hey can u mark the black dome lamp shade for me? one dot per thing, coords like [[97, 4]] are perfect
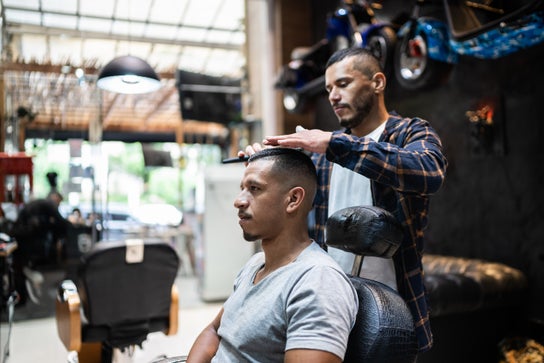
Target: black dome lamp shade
[[128, 74]]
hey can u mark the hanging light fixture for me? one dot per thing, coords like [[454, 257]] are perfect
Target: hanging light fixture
[[128, 74]]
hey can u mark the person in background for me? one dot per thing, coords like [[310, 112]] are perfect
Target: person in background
[[38, 230], [75, 217], [55, 197], [291, 302], [376, 158]]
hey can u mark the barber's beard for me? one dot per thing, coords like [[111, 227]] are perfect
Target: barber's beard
[[362, 110]]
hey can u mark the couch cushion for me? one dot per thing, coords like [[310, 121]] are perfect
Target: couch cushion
[[457, 284]]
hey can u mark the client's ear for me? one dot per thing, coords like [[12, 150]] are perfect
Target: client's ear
[[295, 198]]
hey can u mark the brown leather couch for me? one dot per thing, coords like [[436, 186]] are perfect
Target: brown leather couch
[[475, 304]]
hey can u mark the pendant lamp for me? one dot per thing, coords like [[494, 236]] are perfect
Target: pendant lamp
[[128, 74]]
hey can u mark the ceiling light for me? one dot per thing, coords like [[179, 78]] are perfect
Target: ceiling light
[[128, 74]]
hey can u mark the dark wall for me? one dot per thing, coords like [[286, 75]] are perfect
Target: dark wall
[[491, 204], [320, 11]]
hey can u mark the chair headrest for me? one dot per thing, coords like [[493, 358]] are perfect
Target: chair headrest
[[364, 230], [107, 246]]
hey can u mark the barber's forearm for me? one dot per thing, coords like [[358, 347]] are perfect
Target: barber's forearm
[[310, 140]]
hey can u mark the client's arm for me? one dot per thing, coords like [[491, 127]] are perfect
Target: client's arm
[[207, 342], [309, 355]]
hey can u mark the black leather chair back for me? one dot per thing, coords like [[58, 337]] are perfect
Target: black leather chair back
[[125, 288], [384, 328]]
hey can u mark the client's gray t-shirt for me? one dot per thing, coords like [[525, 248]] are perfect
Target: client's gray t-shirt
[[307, 304]]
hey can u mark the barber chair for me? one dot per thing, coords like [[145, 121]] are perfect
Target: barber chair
[[384, 328], [124, 291]]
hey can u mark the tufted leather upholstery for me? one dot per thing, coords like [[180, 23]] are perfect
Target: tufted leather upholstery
[[460, 285]]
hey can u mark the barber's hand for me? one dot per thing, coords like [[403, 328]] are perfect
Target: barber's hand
[[310, 140], [250, 150]]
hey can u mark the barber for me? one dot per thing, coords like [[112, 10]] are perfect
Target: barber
[[377, 158]]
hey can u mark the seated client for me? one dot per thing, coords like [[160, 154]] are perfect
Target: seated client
[[291, 302]]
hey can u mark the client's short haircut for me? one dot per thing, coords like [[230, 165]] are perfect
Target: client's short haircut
[[291, 163], [292, 167]]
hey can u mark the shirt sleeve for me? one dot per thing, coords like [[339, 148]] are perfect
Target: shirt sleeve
[[409, 160], [321, 311]]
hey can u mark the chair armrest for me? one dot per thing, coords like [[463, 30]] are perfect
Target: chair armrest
[[174, 311], [68, 315]]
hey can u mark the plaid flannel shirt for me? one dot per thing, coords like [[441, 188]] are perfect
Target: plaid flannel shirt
[[405, 166]]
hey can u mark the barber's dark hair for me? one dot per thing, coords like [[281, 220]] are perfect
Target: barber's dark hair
[[288, 161], [366, 63]]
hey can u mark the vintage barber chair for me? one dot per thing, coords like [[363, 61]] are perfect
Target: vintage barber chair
[[384, 329], [124, 291]]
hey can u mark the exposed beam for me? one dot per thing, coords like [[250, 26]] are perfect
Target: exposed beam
[[52, 31], [166, 97], [58, 68], [121, 19], [108, 110], [42, 67]]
